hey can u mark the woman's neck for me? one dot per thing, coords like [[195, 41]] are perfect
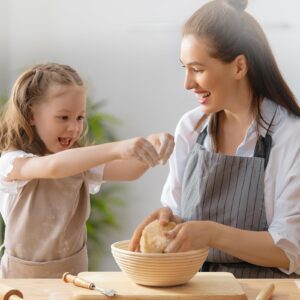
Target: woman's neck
[[240, 111], [233, 124], [236, 119]]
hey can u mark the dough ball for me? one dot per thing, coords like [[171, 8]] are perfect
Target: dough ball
[[153, 240]]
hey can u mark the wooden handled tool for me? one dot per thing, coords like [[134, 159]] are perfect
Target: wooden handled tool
[[9, 293], [67, 277], [266, 292]]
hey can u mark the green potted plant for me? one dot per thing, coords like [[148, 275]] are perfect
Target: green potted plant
[[100, 130], [102, 217]]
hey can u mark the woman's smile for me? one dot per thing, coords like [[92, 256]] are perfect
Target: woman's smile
[[202, 96]]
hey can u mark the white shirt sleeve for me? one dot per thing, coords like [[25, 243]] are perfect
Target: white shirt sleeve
[[285, 223], [185, 137], [94, 178], [6, 166]]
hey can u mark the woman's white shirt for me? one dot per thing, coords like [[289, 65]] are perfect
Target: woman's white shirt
[[9, 190], [282, 175]]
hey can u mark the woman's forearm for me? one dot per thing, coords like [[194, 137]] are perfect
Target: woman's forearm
[[256, 247]]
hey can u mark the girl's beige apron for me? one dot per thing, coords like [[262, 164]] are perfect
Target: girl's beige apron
[[45, 233]]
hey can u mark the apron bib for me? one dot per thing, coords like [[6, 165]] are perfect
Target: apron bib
[[228, 190], [45, 233]]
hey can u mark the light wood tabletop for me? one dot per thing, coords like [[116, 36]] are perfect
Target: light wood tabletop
[[56, 289]]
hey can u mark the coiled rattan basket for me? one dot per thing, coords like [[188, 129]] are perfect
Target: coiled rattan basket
[[158, 269]]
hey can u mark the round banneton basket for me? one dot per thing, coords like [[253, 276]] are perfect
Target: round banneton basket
[[158, 269]]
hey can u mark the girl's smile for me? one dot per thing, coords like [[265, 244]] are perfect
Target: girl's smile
[[59, 120], [65, 142]]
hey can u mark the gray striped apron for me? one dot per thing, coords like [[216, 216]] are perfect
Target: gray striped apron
[[228, 190]]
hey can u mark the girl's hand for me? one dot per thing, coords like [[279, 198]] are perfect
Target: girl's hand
[[139, 148], [164, 215], [190, 235], [164, 145]]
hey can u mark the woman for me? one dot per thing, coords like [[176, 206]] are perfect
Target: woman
[[234, 175]]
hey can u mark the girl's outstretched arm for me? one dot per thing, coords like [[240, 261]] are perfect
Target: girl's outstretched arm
[[133, 169], [119, 170], [74, 161]]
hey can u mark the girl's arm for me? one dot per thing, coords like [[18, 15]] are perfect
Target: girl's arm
[[73, 161], [256, 247], [119, 170], [133, 169]]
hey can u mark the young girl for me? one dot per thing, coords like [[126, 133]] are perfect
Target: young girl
[[234, 175], [46, 177]]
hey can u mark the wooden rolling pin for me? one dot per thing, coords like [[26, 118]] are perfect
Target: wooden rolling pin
[[9, 293], [266, 292]]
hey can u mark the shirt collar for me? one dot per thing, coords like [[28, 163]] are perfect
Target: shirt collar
[[268, 111]]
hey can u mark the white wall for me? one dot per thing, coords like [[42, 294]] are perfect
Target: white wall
[[4, 46], [128, 52]]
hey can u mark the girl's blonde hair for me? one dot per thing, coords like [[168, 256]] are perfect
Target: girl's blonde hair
[[31, 87]]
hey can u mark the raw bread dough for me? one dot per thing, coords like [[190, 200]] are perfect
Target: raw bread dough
[[153, 240]]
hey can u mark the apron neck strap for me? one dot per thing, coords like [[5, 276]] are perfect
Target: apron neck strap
[[264, 144], [202, 136]]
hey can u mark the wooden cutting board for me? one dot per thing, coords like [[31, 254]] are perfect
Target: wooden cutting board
[[203, 286]]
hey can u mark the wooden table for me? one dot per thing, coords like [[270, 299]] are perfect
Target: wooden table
[[287, 289], [56, 289]]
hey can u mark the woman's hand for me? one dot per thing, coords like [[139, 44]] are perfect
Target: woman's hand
[[164, 145], [190, 235], [164, 215]]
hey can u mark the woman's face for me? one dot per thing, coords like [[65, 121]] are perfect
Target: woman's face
[[59, 118], [213, 81]]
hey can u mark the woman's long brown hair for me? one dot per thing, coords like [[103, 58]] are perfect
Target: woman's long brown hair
[[231, 32]]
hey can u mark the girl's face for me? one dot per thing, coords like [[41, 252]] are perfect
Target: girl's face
[[213, 81], [59, 118]]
